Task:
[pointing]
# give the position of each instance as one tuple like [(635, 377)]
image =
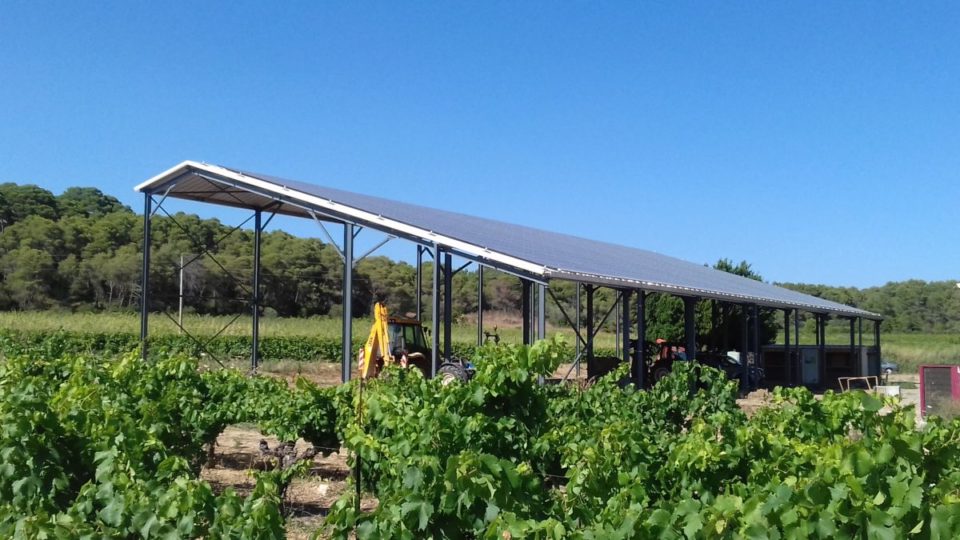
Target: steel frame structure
[(534, 285)]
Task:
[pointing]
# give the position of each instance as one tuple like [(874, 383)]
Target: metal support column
[(860, 335), (419, 284), (590, 332), (744, 334), (541, 317), (755, 317), (541, 311), (690, 326), (876, 340), (795, 359), (145, 276), (625, 324), (435, 315), (616, 329), (639, 367), (788, 372), (526, 287), (479, 305), (853, 341), (822, 351), (750, 346), (576, 307), (347, 295), (255, 301), (447, 306)]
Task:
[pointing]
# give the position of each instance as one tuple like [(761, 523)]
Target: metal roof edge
[(711, 294)]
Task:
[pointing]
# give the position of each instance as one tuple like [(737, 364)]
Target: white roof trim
[(467, 248)]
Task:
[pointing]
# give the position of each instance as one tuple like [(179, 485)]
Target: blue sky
[(818, 141)]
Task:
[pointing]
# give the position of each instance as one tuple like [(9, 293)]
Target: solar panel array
[(570, 257)]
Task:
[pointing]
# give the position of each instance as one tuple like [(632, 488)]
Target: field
[(908, 350), (323, 327), (116, 447)]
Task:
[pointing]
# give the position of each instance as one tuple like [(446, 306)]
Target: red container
[(939, 386)]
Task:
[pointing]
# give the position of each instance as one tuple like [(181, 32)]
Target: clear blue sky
[(820, 141)]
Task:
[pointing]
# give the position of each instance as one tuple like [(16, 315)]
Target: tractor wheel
[(659, 373), (449, 373)]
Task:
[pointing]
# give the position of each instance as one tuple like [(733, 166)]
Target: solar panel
[(561, 256)]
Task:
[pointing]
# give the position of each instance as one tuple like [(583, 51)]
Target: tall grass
[(206, 325)]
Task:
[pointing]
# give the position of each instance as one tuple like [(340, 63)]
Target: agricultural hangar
[(534, 256)]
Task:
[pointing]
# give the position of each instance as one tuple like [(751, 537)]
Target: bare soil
[(307, 500)]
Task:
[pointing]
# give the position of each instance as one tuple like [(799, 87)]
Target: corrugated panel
[(551, 254), (572, 257)]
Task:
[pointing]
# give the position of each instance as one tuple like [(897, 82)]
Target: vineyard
[(101, 447)]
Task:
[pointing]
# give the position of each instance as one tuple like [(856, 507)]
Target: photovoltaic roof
[(535, 253)]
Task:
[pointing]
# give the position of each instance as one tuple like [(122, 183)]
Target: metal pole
[(541, 316), (639, 368), (525, 308), (435, 317), (576, 307), (590, 354), (876, 339), (755, 315), (616, 330), (788, 373), (255, 353), (145, 275), (347, 295), (798, 370), (625, 323), (541, 311), (180, 309), (853, 341), (822, 343), (419, 283), (479, 305), (447, 306), (860, 336), (690, 326)]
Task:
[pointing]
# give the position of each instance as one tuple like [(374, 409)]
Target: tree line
[(81, 251)]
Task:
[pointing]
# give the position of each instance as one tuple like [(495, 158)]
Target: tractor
[(402, 340)]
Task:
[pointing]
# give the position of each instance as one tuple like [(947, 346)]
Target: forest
[(80, 251)]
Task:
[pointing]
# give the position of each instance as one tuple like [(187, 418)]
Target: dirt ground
[(307, 499)]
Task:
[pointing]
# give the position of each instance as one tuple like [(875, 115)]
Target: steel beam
[(590, 333), (755, 316), (255, 300), (419, 284), (145, 275), (638, 369), (435, 317), (576, 307), (447, 306), (798, 379), (347, 301), (822, 348), (690, 326), (526, 287), (541, 317), (853, 341), (788, 372), (479, 305), (876, 340), (625, 324)]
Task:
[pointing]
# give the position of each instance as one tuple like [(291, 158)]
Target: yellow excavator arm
[(377, 348)]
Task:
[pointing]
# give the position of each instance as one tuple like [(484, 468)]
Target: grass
[(206, 325), (908, 350)]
